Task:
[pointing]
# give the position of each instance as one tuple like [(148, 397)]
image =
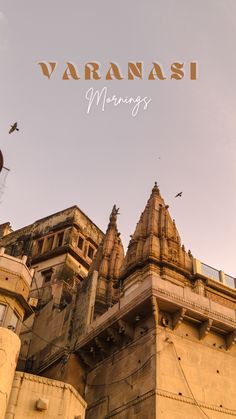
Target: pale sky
[(185, 140)]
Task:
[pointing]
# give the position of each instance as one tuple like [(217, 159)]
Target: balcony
[(207, 271), (14, 274)]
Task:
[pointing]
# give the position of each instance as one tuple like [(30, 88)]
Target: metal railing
[(208, 272), (230, 281)]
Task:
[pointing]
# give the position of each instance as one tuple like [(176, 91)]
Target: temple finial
[(155, 188), (114, 213)]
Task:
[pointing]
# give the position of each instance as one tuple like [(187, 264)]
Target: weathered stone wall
[(71, 221), (34, 397), (59, 268), (71, 371), (9, 351), (192, 376), (85, 305), (193, 373), (123, 385)]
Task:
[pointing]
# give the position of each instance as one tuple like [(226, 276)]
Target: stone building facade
[(25, 395), (167, 348), (60, 249), (152, 332), (15, 282)]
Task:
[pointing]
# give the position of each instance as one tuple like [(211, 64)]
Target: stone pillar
[(199, 287), (24, 259), (222, 277), (9, 351)]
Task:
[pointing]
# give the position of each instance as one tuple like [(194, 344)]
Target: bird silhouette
[(178, 195), (1, 161), (13, 128)]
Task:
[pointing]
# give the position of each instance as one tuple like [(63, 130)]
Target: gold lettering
[(135, 70), (177, 73), (91, 71), (114, 72), (70, 72), (156, 72), (193, 71), (45, 69)]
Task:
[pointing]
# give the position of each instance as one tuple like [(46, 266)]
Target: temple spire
[(155, 238), (107, 263), (113, 216)]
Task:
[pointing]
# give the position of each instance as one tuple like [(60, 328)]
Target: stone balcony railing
[(207, 271), (14, 274)]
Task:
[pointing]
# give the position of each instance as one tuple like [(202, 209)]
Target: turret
[(109, 259), (15, 282), (156, 240)]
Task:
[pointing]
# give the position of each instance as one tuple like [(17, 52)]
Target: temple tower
[(166, 349), (109, 262), (155, 242)]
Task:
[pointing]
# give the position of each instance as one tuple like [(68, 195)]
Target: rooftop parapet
[(16, 266), (205, 271), (15, 283)]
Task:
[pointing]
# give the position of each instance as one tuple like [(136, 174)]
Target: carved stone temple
[(145, 334)]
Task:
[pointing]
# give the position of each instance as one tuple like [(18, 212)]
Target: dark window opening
[(60, 238), (90, 252), (49, 243), (80, 243), (47, 275), (13, 322), (10, 250), (40, 245)]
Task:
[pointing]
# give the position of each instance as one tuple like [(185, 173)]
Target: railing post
[(2, 251), (222, 277), (197, 266)]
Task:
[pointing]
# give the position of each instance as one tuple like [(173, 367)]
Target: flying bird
[(1, 161), (178, 195), (13, 128)]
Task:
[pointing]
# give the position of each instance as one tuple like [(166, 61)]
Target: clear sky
[(185, 140)]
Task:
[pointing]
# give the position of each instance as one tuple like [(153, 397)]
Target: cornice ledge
[(50, 382), (184, 399), (189, 304), (133, 402)]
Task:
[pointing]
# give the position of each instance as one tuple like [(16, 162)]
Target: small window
[(3, 308), (60, 238), (10, 250), (14, 321), (49, 243), (80, 243), (47, 275), (90, 252), (40, 246)]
